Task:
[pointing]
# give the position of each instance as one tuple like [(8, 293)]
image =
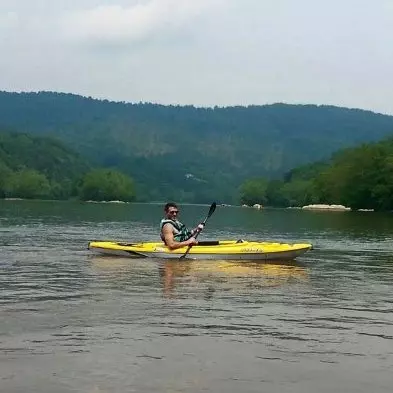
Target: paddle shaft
[(211, 211)]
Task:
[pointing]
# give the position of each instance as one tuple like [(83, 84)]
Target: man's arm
[(172, 244)]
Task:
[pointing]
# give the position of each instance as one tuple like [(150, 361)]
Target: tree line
[(360, 178), (40, 167)]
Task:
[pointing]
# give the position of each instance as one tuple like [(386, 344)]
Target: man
[(175, 234)]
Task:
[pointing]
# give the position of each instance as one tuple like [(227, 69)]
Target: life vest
[(180, 233)]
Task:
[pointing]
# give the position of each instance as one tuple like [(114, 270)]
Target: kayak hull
[(210, 250)]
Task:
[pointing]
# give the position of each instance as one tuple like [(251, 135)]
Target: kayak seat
[(208, 243)]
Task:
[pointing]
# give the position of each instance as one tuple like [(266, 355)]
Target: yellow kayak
[(205, 250)]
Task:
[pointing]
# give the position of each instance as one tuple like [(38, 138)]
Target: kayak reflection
[(231, 275), (185, 277)]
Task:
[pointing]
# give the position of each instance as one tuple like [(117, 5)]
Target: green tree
[(20, 152), (298, 192), (253, 191), (367, 178), (5, 174), (361, 177), (382, 192), (274, 193), (29, 184), (105, 185)]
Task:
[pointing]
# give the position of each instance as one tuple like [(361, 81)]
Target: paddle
[(211, 211)]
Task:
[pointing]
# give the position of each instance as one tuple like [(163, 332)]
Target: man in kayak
[(175, 234)]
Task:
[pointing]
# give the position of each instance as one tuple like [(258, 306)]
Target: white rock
[(326, 207)]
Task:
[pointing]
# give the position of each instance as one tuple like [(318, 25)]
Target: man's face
[(172, 212)]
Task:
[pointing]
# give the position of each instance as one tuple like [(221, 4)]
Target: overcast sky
[(202, 52)]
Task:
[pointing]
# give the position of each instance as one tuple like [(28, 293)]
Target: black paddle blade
[(211, 210)]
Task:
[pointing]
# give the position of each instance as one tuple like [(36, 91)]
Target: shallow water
[(71, 321)]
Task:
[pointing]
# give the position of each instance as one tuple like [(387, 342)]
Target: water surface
[(71, 321)]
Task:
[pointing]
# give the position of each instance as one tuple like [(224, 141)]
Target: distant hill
[(192, 154)]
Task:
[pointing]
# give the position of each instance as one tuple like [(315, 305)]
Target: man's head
[(171, 210)]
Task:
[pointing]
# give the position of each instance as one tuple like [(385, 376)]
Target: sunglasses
[(173, 211)]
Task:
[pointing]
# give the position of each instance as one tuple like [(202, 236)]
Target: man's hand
[(192, 241), (200, 226), (198, 229)]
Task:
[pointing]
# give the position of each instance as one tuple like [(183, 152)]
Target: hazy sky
[(202, 52)]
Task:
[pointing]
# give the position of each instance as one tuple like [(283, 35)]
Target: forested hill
[(33, 167), (187, 153)]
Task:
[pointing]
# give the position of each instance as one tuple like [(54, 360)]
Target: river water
[(71, 321)]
